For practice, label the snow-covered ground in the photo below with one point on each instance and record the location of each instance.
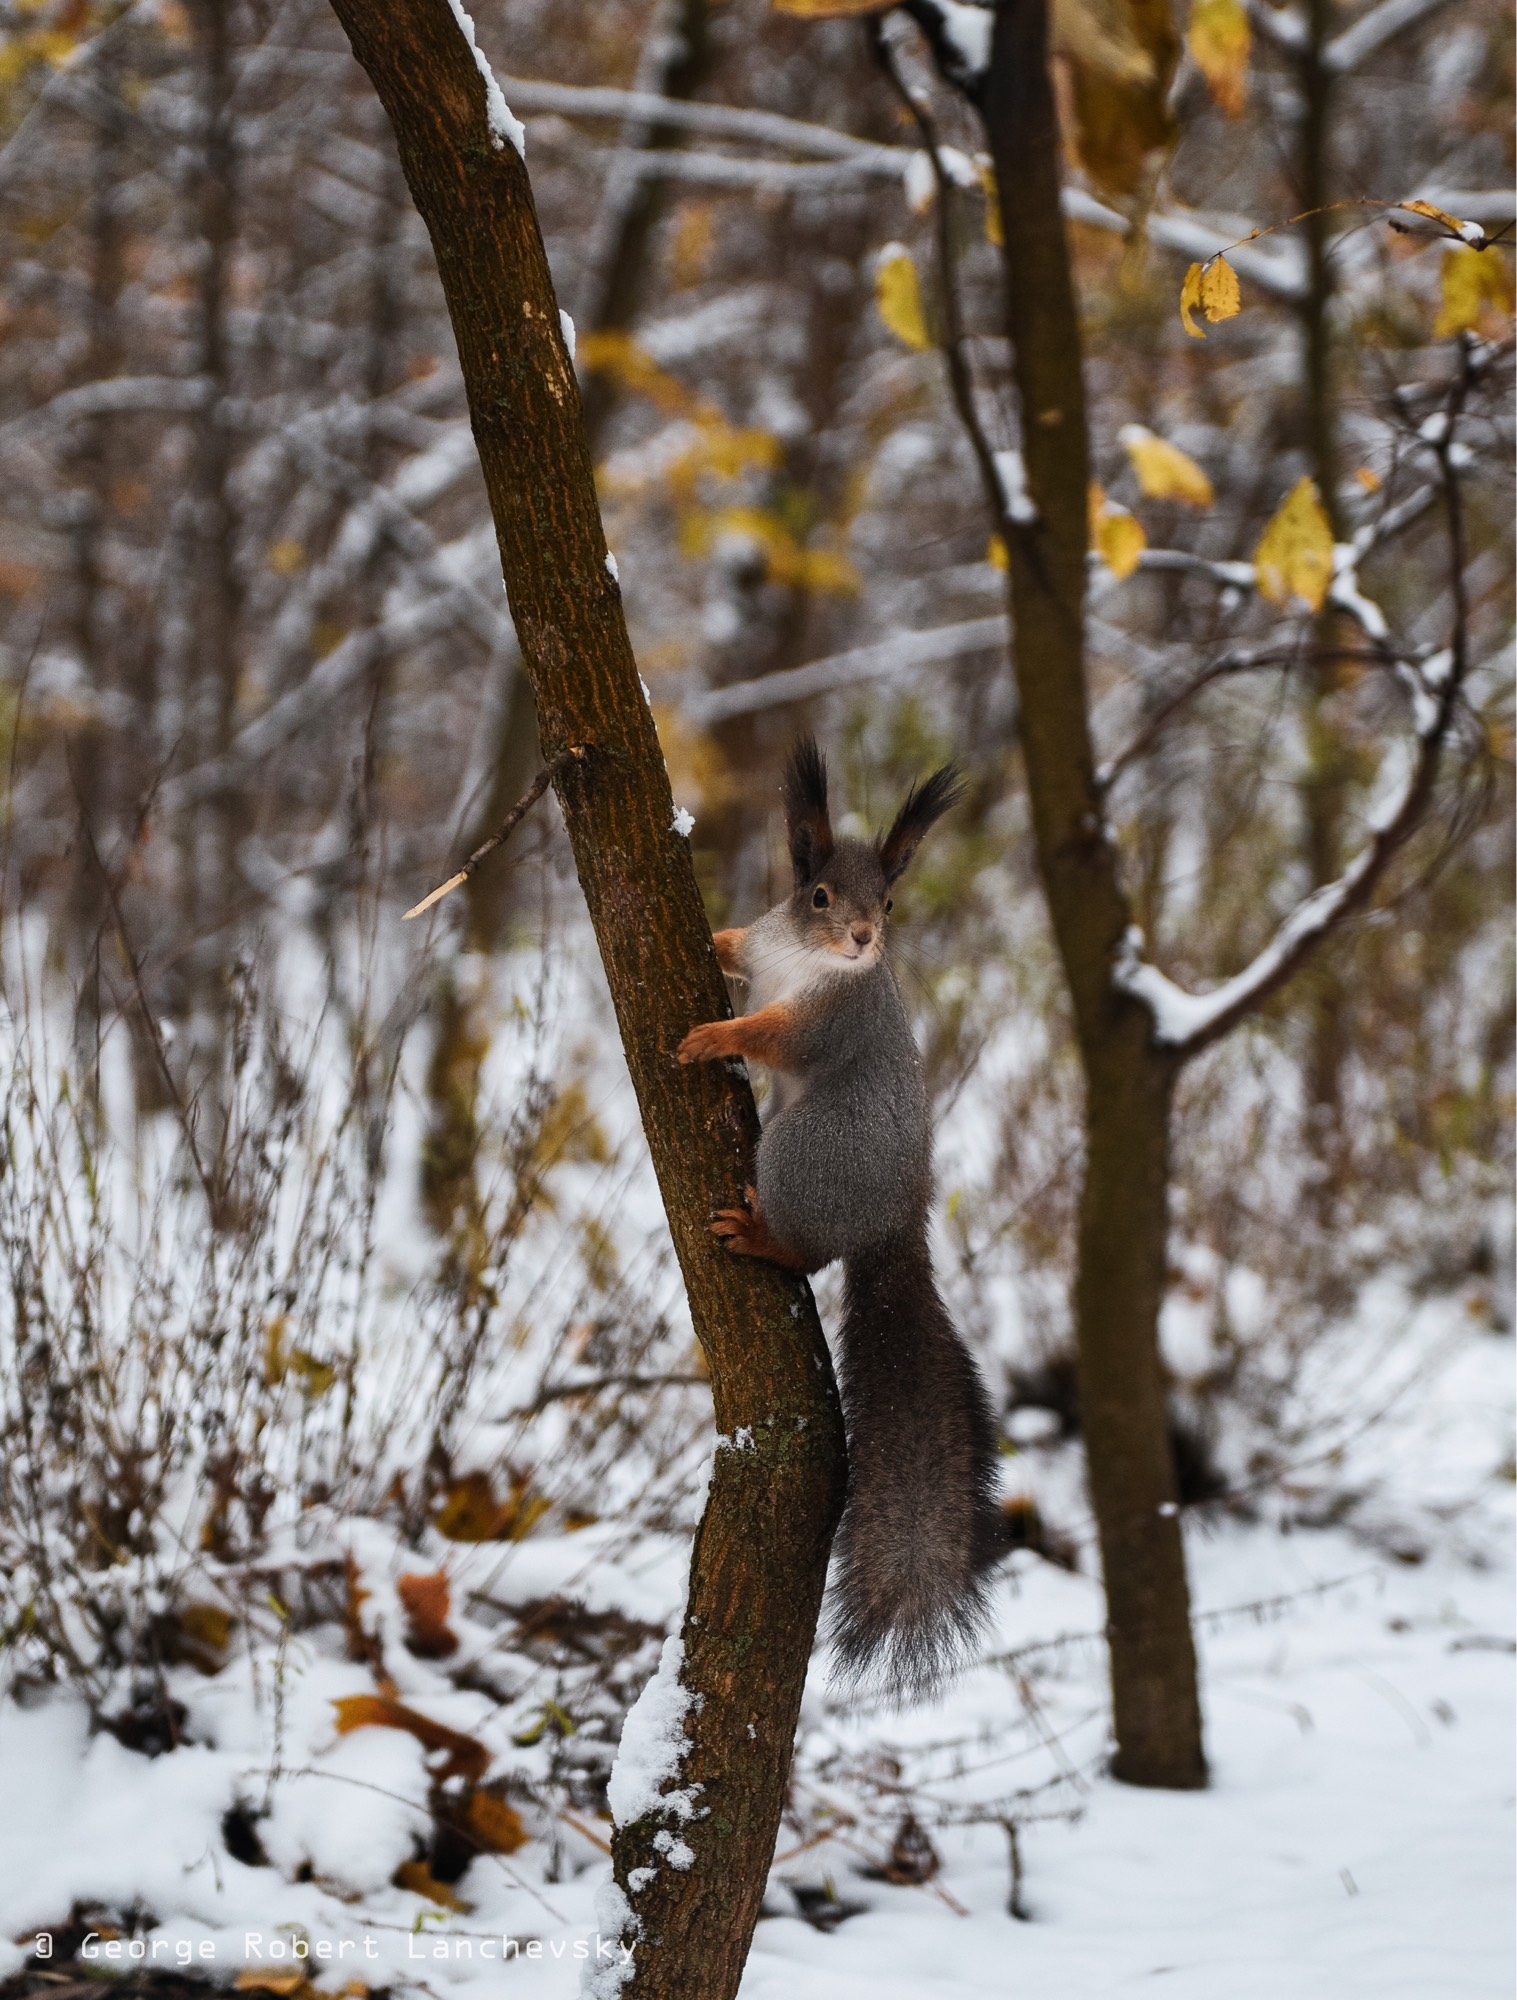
(1357, 1838)
(1355, 1621)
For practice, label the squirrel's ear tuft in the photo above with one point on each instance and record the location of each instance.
(807, 826)
(925, 805)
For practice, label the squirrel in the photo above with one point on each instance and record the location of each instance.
(844, 1170)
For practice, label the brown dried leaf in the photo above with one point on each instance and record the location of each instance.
(466, 1757)
(419, 1879)
(496, 1825)
(427, 1600)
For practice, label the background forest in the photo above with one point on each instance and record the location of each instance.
(344, 1357)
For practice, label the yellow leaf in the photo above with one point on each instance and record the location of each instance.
(208, 1625)
(1164, 471)
(1221, 41)
(1435, 215)
(1221, 294)
(1120, 57)
(1295, 556)
(276, 1357)
(825, 10)
(1369, 479)
(1475, 283)
(315, 1376)
(898, 295)
(996, 554)
(286, 557)
(1190, 298)
(1116, 535)
(255, 1980)
(995, 233)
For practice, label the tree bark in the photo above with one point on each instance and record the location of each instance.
(1325, 790)
(1119, 1286)
(760, 1555)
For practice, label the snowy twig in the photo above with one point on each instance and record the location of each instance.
(839, 670)
(1185, 1023)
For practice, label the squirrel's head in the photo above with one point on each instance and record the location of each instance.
(842, 894)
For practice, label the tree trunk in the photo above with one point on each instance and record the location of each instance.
(1328, 756)
(1122, 1243)
(760, 1555)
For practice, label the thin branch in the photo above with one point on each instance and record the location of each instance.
(554, 768)
(1228, 666)
(563, 1392)
(1185, 1023)
(960, 381)
(902, 650)
(1373, 30)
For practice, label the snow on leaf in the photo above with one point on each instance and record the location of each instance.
(898, 296)
(1116, 535)
(1295, 556)
(1435, 214)
(465, 1757)
(1190, 298)
(1475, 283)
(1221, 294)
(1164, 471)
(1220, 41)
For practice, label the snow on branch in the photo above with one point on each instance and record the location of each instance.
(1373, 30)
(1185, 1023)
(897, 654)
(504, 129)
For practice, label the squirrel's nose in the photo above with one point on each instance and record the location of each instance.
(862, 934)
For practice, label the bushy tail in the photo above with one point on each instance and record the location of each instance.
(921, 1529)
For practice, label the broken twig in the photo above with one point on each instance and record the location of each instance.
(575, 753)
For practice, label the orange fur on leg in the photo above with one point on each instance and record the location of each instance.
(765, 1037)
(747, 1234)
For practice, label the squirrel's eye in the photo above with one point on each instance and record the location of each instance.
(820, 900)
(889, 904)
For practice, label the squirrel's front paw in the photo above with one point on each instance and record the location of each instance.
(707, 1043)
